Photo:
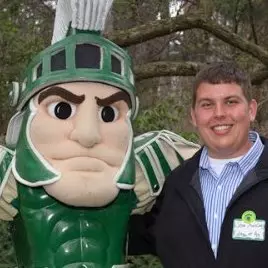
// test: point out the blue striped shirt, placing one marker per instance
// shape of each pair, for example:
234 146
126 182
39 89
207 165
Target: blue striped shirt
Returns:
218 190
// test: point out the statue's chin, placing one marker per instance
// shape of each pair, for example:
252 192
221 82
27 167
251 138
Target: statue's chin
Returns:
80 190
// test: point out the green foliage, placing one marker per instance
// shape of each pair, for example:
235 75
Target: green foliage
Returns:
159 117
7 256
20 39
145 261
165 114
231 8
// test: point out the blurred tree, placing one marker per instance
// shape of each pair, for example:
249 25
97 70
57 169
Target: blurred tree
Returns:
25 28
166 38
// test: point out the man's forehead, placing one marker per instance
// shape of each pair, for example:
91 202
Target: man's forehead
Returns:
206 90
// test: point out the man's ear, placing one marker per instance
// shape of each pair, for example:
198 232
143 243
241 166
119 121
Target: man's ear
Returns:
253 106
193 117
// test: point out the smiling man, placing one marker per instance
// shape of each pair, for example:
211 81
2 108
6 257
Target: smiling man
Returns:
222 114
213 210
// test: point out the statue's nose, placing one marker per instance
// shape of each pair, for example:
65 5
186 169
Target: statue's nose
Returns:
86 127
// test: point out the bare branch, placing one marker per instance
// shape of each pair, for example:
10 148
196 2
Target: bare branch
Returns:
175 68
259 77
163 27
235 18
252 25
166 68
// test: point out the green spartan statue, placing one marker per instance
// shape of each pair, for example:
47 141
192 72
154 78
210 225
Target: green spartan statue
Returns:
71 177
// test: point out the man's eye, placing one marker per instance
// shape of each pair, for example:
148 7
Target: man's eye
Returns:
61 110
206 104
108 113
230 102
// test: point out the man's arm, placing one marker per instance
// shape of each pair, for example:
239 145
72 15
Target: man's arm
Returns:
157 154
141 238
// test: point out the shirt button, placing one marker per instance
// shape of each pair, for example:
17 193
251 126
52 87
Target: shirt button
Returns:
233 164
214 246
219 187
215 216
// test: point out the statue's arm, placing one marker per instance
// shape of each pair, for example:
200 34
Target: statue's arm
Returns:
8 189
157 153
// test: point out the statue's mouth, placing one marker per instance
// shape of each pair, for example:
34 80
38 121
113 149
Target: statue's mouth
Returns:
81 163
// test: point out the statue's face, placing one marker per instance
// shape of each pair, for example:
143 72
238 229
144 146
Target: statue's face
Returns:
82 130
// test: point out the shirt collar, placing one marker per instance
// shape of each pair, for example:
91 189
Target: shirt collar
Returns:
247 161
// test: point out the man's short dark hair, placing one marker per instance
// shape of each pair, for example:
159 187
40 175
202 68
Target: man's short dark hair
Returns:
221 73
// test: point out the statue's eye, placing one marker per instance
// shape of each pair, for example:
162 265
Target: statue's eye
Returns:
108 113
61 110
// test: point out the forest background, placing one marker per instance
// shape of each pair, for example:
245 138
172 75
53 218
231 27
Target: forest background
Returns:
169 40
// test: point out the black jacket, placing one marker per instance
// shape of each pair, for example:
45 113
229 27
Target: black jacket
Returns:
176 228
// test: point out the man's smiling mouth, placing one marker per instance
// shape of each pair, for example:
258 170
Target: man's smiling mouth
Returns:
222 127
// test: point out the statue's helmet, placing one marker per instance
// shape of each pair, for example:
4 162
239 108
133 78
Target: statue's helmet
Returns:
79 53
81 56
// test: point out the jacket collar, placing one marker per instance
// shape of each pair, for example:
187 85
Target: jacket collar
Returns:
189 188
192 166
255 175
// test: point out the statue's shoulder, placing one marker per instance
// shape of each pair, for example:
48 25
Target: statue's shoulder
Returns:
157 153
8 189
6 157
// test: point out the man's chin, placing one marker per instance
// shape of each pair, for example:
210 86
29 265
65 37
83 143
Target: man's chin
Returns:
84 189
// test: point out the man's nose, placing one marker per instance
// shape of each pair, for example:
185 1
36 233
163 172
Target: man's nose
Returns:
86 127
219 110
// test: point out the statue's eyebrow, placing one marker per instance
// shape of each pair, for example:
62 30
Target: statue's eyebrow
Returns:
118 96
63 93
